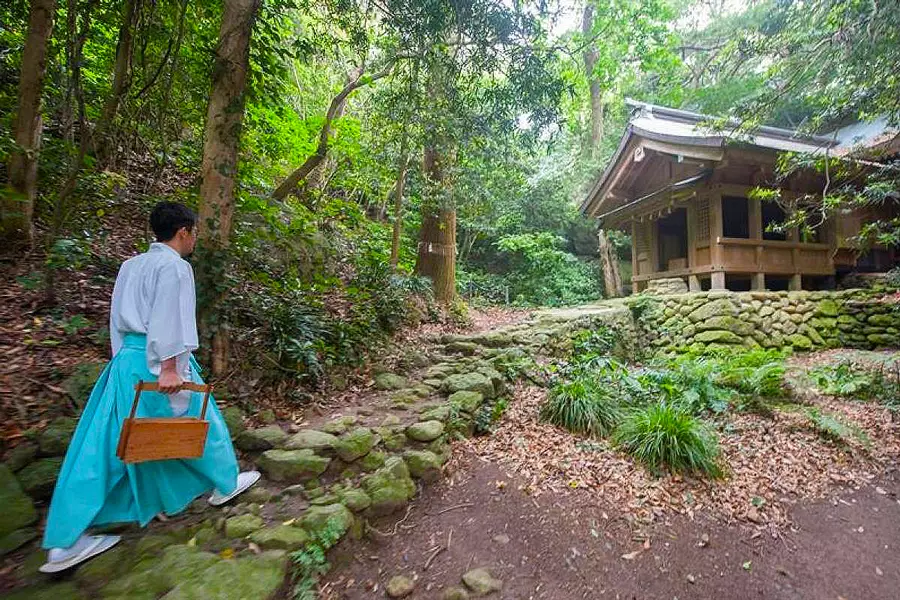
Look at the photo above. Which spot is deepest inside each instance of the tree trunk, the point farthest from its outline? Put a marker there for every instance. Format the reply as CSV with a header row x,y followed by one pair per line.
x,y
398,199
590,61
437,238
120,84
612,279
224,118
17,209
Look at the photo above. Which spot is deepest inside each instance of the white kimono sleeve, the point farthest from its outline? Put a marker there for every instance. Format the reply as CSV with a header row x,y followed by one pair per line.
x,y
172,329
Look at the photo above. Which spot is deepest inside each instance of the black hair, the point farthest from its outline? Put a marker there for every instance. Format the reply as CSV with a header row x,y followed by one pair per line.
x,y
168,217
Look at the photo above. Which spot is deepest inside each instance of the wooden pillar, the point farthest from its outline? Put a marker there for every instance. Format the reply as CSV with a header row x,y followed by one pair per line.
x,y
759,282
718,280
715,228
796,283
692,234
694,283
653,236
754,213
634,249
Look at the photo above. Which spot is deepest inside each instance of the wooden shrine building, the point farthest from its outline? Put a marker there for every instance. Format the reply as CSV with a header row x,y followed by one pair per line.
x,y
682,190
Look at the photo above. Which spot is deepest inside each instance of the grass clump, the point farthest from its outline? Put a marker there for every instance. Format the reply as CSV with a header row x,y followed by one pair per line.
x,y
662,437
582,406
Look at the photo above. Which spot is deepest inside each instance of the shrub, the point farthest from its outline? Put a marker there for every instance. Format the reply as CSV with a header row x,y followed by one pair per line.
x,y
665,437
581,406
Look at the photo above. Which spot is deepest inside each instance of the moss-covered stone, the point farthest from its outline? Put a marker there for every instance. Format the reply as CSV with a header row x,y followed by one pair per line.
x,y
390,487
373,460
466,401
318,518
16,539
39,478
17,508
339,425
247,578
355,499
717,337
828,308
292,465
718,307
54,440
55,591
264,438
470,382
355,444
318,441
279,537
242,526
390,381
423,464
800,342
425,431
234,420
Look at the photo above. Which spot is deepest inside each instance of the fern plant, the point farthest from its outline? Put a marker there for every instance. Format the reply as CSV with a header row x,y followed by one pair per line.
x,y
310,562
665,437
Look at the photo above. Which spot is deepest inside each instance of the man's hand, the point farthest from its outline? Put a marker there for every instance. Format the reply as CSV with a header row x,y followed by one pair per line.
x,y
169,380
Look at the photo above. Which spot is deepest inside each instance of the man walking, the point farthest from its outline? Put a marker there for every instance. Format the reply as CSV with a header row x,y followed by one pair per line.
x,y
153,330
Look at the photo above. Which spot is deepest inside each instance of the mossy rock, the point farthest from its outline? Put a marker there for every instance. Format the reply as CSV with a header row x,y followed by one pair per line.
x,y
17,508
717,337
310,439
21,456
264,438
373,460
339,425
470,382
390,381
16,539
390,487
234,420
241,526
423,464
56,591
280,537
247,578
39,478
800,342
718,307
318,518
425,431
292,465
355,499
828,308
466,401
355,444
54,440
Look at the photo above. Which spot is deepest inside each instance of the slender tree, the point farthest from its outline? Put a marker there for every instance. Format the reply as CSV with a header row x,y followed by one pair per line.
x,y
224,118
17,207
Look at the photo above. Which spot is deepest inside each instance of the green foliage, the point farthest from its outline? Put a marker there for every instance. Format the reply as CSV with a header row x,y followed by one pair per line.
x,y
310,563
81,381
74,324
662,436
542,274
833,429
488,414
582,406
848,380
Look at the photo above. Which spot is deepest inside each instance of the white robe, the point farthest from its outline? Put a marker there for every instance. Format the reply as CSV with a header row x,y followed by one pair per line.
x,y
154,295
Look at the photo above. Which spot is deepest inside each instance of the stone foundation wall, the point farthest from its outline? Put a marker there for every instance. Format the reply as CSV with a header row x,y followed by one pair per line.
x,y
799,320
664,287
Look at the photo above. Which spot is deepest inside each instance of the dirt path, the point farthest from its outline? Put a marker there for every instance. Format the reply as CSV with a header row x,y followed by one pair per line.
x,y
572,546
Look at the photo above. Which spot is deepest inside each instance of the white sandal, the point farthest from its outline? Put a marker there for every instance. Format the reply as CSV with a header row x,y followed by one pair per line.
x,y
244,481
99,544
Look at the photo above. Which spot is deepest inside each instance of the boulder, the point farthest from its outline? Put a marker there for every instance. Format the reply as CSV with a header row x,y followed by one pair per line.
x,y
884,320
16,539
470,382
481,582
440,413
247,578
393,438
310,439
39,478
54,440
466,401
234,420
183,563
828,308
339,425
355,499
390,487
425,431
17,509
467,348
334,517
54,591
373,460
423,464
355,444
399,586
800,342
292,465
455,593
21,456
264,438
726,323
279,537
390,381
241,526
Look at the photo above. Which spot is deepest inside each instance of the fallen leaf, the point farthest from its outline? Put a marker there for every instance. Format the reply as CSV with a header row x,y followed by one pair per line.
x,y
747,565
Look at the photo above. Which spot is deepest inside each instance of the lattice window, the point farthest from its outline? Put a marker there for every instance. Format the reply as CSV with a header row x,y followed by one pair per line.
x,y
703,220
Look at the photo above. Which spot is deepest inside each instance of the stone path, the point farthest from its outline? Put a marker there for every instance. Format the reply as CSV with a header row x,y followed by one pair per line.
x,y
319,485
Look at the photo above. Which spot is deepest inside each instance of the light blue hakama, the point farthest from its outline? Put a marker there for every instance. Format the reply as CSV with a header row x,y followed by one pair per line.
x,y
96,488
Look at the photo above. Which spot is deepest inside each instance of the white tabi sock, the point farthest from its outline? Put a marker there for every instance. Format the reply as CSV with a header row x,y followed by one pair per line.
x,y
61,554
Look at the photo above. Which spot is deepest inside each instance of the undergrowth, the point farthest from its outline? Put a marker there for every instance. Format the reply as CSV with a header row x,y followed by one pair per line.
x,y
848,380
663,437
582,406
310,562
833,429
